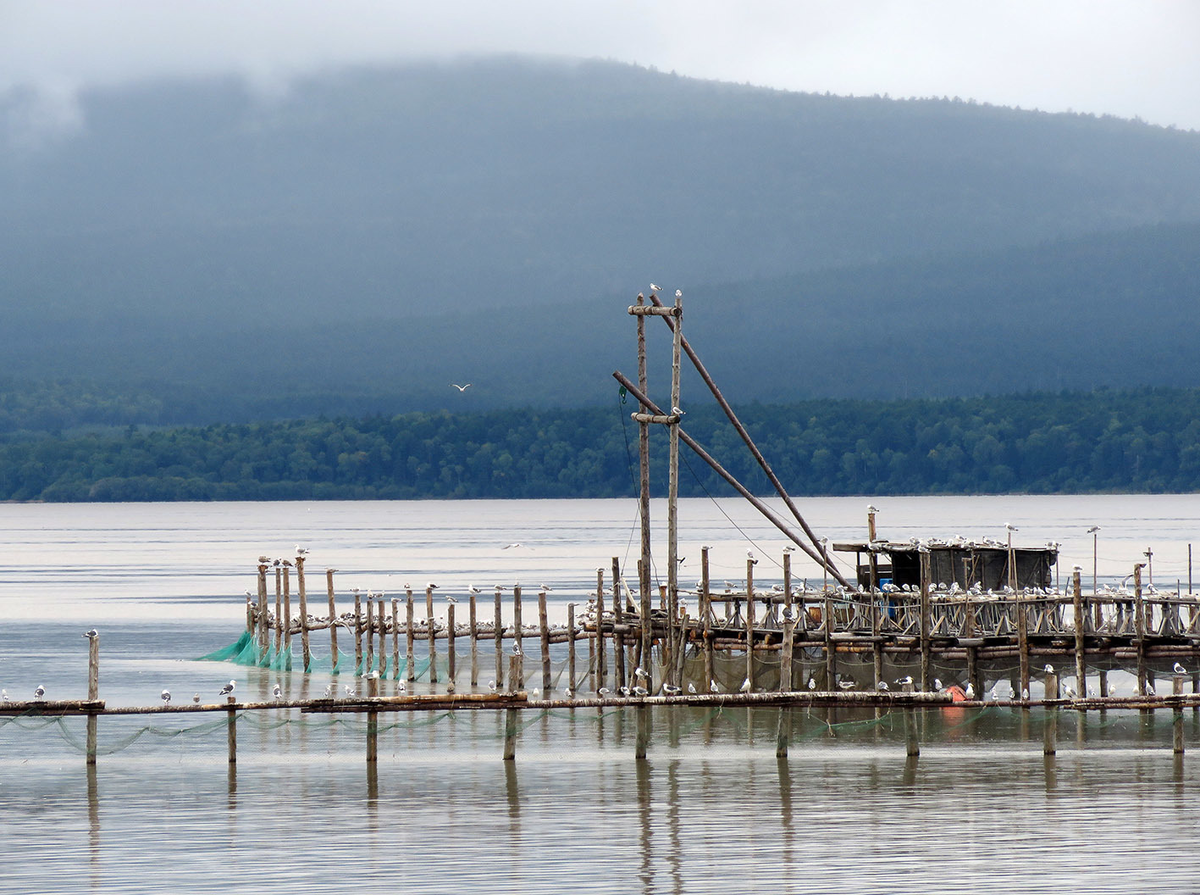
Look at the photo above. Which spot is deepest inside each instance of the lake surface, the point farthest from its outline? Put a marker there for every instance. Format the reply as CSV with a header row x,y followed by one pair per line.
x,y
712,810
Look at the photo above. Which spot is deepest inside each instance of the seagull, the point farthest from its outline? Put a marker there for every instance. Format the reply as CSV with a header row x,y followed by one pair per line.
x,y
675,411
1011,527
329,692
569,693
714,687
638,672
91,635
604,692
1093,529
970,691
277,693
937,684
264,560
350,691
472,589
871,508
402,686
461,388
1068,691
166,697
745,687
39,692
1049,669
882,685
512,545
535,693
654,287
301,551
492,686
1179,669
789,548
679,293
451,600
623,691
640,691
1149,688
691,688
196,698
4,696
431,586
907,680
516,650
545,587
750,554
846,685
227,690
812,683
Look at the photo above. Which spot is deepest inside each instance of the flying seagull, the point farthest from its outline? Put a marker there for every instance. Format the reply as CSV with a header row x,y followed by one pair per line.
x,y
461,388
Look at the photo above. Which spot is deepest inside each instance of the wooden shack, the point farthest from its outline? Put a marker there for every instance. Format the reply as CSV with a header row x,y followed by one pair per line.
x,y
967,563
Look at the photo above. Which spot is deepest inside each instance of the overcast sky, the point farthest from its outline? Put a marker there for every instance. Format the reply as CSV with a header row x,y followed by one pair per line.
x,y
1129,58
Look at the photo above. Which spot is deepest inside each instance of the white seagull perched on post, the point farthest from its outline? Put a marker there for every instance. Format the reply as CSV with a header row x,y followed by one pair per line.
x,y
166,697
227,690
472,589
301,551
654,287
91,635
461,388
277,693
1179,669
39,692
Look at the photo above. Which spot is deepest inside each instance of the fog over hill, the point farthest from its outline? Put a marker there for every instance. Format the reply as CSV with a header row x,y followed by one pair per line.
x,y
370,234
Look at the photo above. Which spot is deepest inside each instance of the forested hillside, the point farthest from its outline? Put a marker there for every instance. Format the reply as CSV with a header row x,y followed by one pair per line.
x,y
1145,440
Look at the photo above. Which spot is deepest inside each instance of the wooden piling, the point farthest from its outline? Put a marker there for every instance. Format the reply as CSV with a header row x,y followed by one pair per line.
x,y
1140,628
510,734
369,636
783,732
279,607
544,631
372,737
912,744
358,644
750,621
381,623
1080,666
93,694
645,647
263,633
410,658
643,731
431,629
285,619
231,728
785,656
706,618
498,633
1023,643
618,624
395,638
601,654
333,647
1050,732
830,656
473,634
571,647
926,623
450,658
302,596
1177,731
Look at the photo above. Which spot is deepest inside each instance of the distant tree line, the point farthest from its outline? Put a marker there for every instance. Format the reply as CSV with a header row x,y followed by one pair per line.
x,y
1143,440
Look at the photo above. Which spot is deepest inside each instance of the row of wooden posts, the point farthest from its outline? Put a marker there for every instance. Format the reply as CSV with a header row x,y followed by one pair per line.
x,y
812,626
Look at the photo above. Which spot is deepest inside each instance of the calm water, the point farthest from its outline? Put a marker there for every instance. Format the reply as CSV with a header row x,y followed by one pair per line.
x,y
712,810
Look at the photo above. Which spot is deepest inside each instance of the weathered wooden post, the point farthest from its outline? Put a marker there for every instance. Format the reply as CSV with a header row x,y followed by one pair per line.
x,y
333,647
643,731
510,734
1080,616
783,732
544,631
431,630
302,595
369,635
571,647
1140,628
395,638
830,654
912,745
279,570
231,726
706,618
601,654
498,633
645,649
1177,729
473,633
1023,644
358,644
410,657
93,692
263,633
450,659
926,621
785,655
381,621
618,623
750,562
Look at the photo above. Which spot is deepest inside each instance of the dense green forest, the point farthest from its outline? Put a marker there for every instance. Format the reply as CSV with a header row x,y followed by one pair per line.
x,y
1143,440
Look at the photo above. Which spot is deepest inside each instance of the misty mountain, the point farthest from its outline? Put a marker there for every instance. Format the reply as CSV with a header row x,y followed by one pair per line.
x,y
1109,310
363,196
